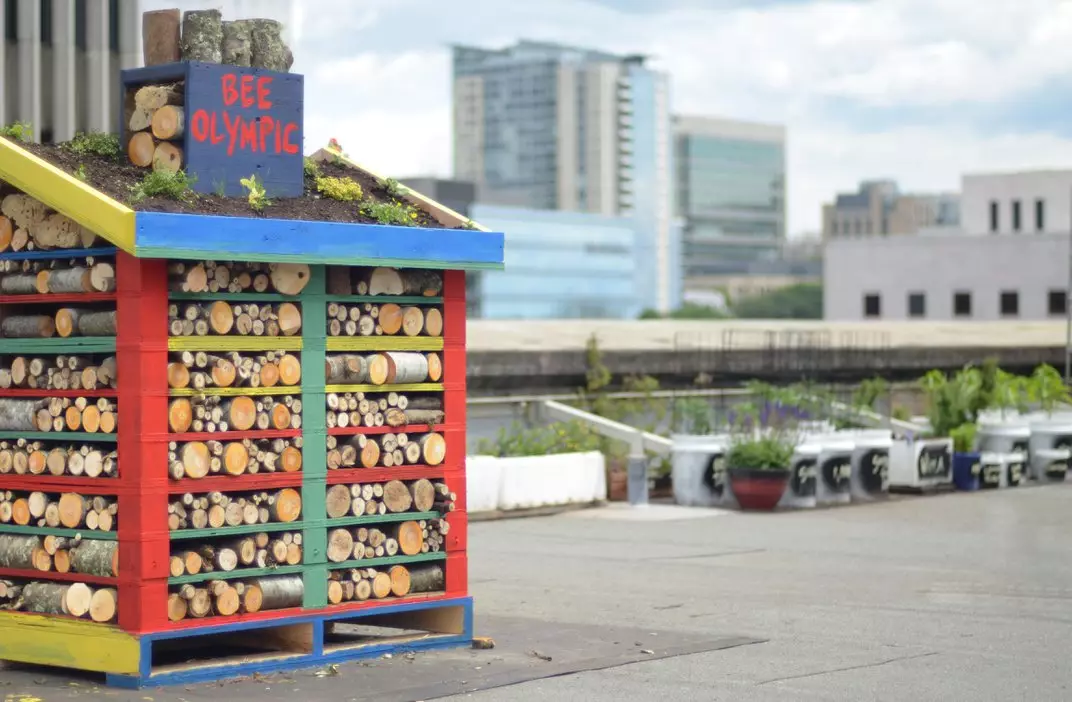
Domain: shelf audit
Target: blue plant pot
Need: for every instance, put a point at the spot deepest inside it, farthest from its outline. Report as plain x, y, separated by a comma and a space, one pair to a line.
966, 470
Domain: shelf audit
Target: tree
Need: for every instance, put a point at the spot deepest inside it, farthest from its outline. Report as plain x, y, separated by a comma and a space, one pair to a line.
799, 301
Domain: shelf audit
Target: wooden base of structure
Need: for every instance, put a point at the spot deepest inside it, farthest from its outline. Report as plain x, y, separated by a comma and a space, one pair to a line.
213, 653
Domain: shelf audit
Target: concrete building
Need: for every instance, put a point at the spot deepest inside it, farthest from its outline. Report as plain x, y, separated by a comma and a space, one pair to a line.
546, 126
60, 59
730, 190
946, 277
1028, 202
878, 208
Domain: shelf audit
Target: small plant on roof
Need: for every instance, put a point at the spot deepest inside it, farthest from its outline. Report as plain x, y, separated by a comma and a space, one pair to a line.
311, 168
97, 143
80, 173
390, 212
17, 131
344, 189
393, 188
258, 197
469, 224
169, 184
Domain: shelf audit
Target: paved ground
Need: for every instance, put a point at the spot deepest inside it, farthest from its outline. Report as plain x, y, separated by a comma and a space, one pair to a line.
964, 596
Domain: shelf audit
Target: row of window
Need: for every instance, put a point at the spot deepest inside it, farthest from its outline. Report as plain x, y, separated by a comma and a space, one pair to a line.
1017, 216
1008, 304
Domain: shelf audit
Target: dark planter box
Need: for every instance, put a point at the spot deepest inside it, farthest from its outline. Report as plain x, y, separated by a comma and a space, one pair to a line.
966, 470
758, 489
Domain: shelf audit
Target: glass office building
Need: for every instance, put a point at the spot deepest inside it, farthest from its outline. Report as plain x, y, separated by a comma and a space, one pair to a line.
730, 190
559, 265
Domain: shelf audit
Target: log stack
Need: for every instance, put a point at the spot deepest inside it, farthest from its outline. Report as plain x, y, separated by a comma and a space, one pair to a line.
391, 497
61, 554
56, 277
216, 510
156, 120
199, 459
384, 281
27, 224
59, 373
237, 277
74, 600
66, 321
402, 539
360, 584
202, 370
215, 413
69, 510
227, 597
383, 319
393, 409
238, 319
385, 368
386, 450
25, 457
261, 550
59, 414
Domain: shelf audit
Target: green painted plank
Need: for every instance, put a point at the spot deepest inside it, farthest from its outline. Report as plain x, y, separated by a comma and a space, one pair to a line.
383, 299
382, 518
68, 345
315, 587
49, 531
314, 438
236, 574
236, 297
389, 560
60, 435
187, 534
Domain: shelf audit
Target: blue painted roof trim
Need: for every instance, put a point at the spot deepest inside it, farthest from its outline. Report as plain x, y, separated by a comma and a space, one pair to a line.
161, 235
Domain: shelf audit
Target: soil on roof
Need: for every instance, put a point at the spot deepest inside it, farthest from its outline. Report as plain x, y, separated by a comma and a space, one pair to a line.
116, 178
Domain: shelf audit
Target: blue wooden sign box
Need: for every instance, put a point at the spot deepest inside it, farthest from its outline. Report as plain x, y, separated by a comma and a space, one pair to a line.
239, 122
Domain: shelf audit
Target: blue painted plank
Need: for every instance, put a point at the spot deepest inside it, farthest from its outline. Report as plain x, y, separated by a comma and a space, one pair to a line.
57, 253
162, 235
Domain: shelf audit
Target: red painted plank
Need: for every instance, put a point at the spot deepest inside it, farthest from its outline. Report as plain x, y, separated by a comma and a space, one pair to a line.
38, 392
454, 392
236, 435
228, 483
407, 429
375, 475
59, 577
96, 486
56, 298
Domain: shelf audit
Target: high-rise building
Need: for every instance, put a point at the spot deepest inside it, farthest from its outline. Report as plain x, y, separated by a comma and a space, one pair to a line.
730, 190
878, 208
546, 126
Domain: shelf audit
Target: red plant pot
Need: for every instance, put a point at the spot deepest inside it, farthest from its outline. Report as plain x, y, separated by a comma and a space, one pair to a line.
758, 489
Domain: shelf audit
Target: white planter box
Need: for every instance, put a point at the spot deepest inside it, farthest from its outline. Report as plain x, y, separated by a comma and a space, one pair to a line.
535, 481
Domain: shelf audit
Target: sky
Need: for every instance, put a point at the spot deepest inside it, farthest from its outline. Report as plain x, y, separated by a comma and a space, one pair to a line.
917, 90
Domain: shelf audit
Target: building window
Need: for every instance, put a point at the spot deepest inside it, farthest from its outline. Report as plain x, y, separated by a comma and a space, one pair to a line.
917, 304
1040, 215
993, 216
1010, 303
1016, 215
1058, 302
872, 305
962, 304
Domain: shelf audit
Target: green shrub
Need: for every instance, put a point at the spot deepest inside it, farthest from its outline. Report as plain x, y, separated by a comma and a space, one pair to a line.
163, 184
97, 143
389, 212
311, 168
394, 188
257, 196
773, 452
17, 131
80, 173
344, 189
963, 437
560, 437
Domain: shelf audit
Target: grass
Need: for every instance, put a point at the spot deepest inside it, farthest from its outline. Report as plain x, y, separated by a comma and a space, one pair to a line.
97, 143
163, 184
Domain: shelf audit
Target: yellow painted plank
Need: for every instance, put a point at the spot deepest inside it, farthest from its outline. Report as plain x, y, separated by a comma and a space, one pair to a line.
402, 387
234, 343
442, 214
67, 643
384, 343
64, 193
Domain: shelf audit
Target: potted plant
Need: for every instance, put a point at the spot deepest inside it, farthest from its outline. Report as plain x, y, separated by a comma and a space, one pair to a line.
758, 461
953, 403
966, 459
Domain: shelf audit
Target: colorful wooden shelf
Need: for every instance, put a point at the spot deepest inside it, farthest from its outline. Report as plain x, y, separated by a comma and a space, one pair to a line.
254, 434
38, 392
235, 343
398, 387
234, 392
405, 429
236, 483
386, 299
58, 345
237, 574
51, 531
385, 343
58, 577
56, 298
233, 297
75, 436
270, 527
53, 254
390, 560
